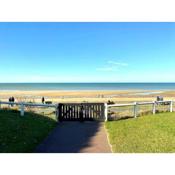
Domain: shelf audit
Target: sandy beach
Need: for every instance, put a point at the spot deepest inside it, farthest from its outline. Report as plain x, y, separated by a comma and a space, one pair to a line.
118, 96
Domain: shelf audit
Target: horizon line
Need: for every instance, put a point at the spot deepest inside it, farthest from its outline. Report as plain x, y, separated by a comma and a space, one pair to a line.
78, 82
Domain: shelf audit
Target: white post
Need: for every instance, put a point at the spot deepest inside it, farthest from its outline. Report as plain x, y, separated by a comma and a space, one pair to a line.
106, 112
135, 110
22, 109
154, 107
0, 104
171, 106
56, 111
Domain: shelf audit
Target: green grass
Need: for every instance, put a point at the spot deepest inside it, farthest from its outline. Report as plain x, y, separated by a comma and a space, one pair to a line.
146, 134
22, 134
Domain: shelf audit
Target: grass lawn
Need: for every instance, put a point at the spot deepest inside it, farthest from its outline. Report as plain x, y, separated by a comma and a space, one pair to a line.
146, 134
22, 134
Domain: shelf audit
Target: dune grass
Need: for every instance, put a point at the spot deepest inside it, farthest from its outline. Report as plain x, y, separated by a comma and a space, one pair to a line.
146, 134
22, 134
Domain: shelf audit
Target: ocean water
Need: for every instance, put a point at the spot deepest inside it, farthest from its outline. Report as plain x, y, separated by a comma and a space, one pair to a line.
86, 86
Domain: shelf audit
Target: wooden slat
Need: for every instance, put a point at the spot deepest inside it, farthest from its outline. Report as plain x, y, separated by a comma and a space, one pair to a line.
97, 107
73, 116
102, 111
62, 108
86, 110
67, 112
63, 112
75, 109
71, 111
78, 112
65, 116
99, 111
92, 111
95, 111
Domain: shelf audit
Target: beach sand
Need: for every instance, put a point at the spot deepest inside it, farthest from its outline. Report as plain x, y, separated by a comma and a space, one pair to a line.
118, 96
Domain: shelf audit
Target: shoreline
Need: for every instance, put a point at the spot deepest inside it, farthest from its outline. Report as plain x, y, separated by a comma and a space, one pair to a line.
90, 90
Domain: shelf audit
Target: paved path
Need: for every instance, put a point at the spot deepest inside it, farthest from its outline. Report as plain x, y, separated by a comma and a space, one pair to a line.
76, 137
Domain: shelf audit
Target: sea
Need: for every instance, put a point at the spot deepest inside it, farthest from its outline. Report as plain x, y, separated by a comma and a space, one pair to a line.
85, 86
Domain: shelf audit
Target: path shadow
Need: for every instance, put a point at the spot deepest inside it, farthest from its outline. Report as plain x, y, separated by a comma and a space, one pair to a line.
69, 137
22, 134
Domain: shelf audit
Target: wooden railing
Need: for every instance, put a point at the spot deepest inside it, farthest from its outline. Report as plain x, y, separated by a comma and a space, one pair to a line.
136, 104
22, 105
105, 110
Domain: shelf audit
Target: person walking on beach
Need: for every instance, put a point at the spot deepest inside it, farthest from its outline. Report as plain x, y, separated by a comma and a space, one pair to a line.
43, 100
12, 100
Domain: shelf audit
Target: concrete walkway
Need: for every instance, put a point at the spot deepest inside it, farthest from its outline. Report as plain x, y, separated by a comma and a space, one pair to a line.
76, 137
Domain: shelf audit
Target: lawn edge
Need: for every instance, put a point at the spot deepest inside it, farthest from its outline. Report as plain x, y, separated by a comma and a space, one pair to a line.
108, 140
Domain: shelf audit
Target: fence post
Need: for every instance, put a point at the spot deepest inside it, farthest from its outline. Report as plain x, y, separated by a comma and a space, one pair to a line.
171, 106
22, 109
106, 111
154, 107
56, 111
135, 110
0, 104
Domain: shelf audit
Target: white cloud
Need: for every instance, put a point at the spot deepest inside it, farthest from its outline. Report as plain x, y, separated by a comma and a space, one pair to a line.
117, 63
112, 66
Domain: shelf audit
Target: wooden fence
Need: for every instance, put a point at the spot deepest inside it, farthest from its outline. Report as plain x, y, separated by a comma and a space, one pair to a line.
67, 111
135, 106
90, 111
22, 105
80, 111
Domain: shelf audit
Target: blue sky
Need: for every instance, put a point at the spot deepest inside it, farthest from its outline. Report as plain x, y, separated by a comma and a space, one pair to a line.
87, 52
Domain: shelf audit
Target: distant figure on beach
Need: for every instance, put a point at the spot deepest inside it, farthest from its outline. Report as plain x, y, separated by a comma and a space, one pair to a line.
43, 100
12, 99
110, 102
